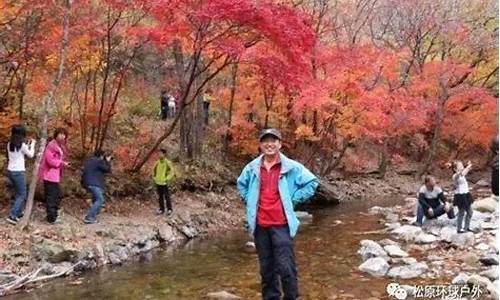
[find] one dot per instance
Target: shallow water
(325, 252)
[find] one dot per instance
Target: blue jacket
(296, 185)
(93, 172)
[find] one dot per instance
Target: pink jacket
(52, 162)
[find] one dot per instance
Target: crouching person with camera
(93, 180)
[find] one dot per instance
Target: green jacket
(163, 171)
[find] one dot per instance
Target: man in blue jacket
(93, 180)
(271, 185)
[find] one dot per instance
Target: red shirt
(270, 208)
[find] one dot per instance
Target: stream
(325, 252)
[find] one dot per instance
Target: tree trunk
(234, 77)
(382, 166)
(437, 129)
(47, 102)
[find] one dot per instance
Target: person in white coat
(17, 149)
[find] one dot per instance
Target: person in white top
(17, 149)
(462, 198)
(171, 106)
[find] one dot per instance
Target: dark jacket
(494, 150)
(430, 199)
(94, 170)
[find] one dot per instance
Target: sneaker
(87, 221)
(460, 231)
(160, 212)
(415, 223)
(11, 220)
(169, 212)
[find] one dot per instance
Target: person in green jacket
(163, 172)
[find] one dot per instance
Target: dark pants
(164, 196)
(494, 182)
(51, 200)
(437, 211)
(277, 261)
(164, 112)
(464, 202)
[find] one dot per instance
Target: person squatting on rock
(93, 180)
(51, 171)
(462, 197)
(432, 202)
(17, 149)
(494, 166)
(270, 186)
(163, 172)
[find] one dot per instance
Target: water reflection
(326, 257)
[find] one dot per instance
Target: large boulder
(409, 271)
(376, 266)
(439, 222)
(446, 233)
(491, 274)
(484, 283)
(392, 226)
(167, 233)
(463, 240)
(487, 205)
(407, 232)
(395, 251)
(482, 216)
(425, 238)
(53, 252)
(371, 249)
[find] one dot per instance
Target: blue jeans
(97, 202)
(438, 211)
(277, 262)
(18, 180)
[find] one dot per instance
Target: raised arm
(29, 150)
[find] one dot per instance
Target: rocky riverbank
(132, 229)
(435, 253)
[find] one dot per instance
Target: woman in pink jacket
(51, 172)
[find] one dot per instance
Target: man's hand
(430, 211)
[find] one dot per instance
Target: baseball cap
(270, 131)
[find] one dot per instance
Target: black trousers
(277, 262)
(164, 196)
(52, 200)
(494, 181)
